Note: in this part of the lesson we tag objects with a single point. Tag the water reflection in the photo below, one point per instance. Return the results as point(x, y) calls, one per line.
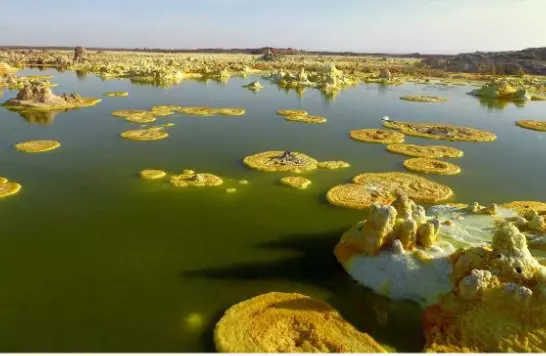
point(81, 74)
point(300, 92)
point(38, 117)
point(330, 96)
point(218, 80)
point(382, 88)
point(149, 83)
point(498, 105)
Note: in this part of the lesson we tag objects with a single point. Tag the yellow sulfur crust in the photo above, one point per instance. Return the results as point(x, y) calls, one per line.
point(431, 166)
point(536, 125)
point(432, 151)
point(288, 322)
point(271, 161)
point(417, 188)
point(38, 146)
point(376, 136)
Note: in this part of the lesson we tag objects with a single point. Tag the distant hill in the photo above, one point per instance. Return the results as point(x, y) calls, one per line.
point(530, 60)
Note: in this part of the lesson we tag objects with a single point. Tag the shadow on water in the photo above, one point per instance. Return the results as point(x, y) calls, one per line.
point(395, 324)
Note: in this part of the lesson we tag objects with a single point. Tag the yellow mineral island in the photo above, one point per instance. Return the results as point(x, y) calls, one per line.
point(40, 98)
point(288, 322)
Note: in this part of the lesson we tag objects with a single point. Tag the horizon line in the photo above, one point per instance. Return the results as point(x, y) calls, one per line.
point(220, 49)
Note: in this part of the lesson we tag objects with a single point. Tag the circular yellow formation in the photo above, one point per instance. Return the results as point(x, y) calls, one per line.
point(150, 134)
point(296, 182)
point(166, 108)
point(288, 322)
point(9, 188)
point(231, 111)
point(357, 196)
point(280, 161)
point(423, 98)
point(3, 180)
point(415, 187)
point(522, 206)
point(306, 118)
point(441, 131)
point(333, 164)
point(116, 93)
point(150, 174)
point(127, 113)
point(189, 178)
point(424, 151)
point(431, 166)
point(140, 119)
point(162, 112)
point(38, 146)
point(292, 112)
point(376, 136)
point(197, 110)
point(536, 125)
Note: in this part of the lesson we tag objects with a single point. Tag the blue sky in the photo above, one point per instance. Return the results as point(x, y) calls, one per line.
point(397, 26)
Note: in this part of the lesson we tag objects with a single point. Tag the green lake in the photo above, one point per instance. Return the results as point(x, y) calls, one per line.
point(95, 259)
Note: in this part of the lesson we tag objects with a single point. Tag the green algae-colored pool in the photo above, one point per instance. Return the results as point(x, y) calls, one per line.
point(93, 258)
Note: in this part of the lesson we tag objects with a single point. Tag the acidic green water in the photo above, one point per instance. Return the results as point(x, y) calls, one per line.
point(92, 258)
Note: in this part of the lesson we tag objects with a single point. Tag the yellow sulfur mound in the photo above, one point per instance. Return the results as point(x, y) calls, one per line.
point(162, 112)
point(376, 136)
point(536, 125)
point(231, 111)
point(38, 97)
point(292, 112)
point(197, 110)
point(127, 113)
point(150, 134)
point(423, 98)
point(497, 303)
point(116, 93)
point(333, 164)
point(280, 161)
point(441, 131)
point(189, 178)
point(296, 182)
point(523, 206)
point(431, 166)
point(425, 151)
point(166, 108)
point(140, 119)
point(9, 188)
point(306, 118)
point(38, 146)
point(3, 180)
point(152, 174)
point(417, 188)
point(288, 322)
point(403, 221)
point(357, 196)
